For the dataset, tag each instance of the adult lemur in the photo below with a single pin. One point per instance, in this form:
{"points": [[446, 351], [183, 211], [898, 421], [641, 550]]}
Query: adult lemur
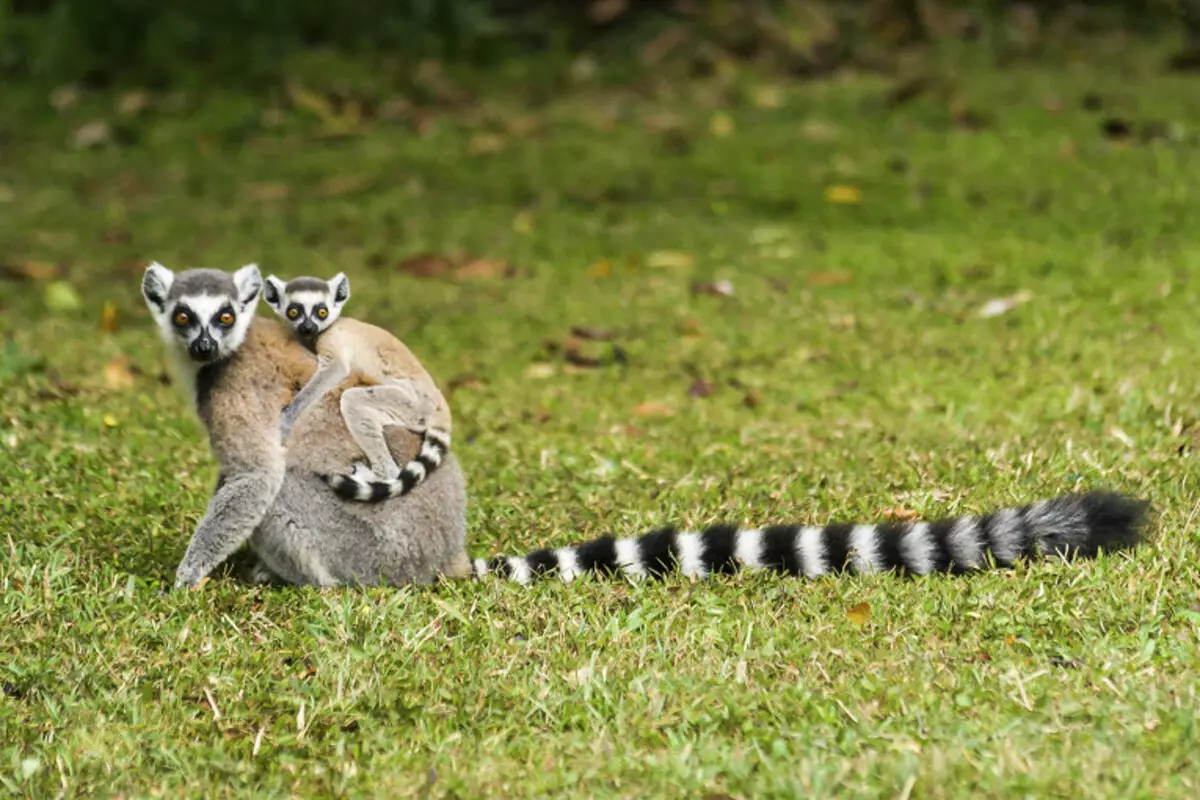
{"points": [[243, 371]]}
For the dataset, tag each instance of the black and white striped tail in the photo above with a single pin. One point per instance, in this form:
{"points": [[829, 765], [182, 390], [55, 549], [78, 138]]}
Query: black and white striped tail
{"points": [[435, 443], [1072, 526]]}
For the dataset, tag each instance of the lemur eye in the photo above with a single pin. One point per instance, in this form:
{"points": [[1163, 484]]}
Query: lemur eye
{"points": [[226, 319], [293, 312], [181, 319], [322, 313]]}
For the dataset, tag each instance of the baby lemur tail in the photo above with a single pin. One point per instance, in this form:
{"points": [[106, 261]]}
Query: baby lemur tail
{"points": [[435, 443], [1071, 526]]}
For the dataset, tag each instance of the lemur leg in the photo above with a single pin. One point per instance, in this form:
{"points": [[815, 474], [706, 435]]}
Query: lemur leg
{"points": [[328, 375], [368, 409]]}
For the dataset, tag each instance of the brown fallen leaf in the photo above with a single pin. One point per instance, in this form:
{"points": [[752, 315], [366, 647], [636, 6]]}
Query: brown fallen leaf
{"points": [[602, 12], [484, 268], [859, 614], [832, 278], [339, 185], [466, 382], [751, 399], [900, 514], [264, 192], [652, 409], [117, 374], [601, 269], [109, 323], [573, 352], [484, 143], [719, 288], [701, 388], [31, 270], [594, 334], [425, 265]]}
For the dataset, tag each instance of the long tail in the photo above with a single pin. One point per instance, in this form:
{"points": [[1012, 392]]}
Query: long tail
{"points": [[1071, 526], [435, 443]]}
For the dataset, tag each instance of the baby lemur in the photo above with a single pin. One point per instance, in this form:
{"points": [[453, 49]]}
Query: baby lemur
{"points": [[243, 371], [406, 395]]}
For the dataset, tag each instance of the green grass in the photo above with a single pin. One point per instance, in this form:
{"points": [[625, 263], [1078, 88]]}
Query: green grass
{"points": [[881, 391]]}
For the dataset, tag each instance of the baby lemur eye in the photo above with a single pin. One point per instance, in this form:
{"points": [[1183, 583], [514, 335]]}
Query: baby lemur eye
{"points": [[322, 312], [293, 312], [226, 319], [181, 319]]}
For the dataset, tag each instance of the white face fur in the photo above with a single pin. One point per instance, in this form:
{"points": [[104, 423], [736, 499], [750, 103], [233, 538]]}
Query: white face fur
{"points": [[308, 305], [202, 314]]}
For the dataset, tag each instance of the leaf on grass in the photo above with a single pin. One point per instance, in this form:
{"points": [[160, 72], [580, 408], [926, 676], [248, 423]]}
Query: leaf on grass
{"points": [[425, 265], [819, 131], [573, 352], [484, 268], [859, 614], [306, 99], [719, 288], [109, 323], [265, 192], [110, 421], [31, 270], [843, 195], [900, 514], [117, 374], [523, 222], [539, 371], [133, 102], [484, 143], [466, 382], [61, 296], [669, 259], [721, 125], [832, 278], [701, 388], [339, 185], [602, 12], [1002, 305], [652, 409], [751, 399], [768, 97], [601, 269], [64, 97], [92, 134]]}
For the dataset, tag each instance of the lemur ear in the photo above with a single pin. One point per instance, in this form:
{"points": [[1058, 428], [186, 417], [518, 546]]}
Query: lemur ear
{"points": [[156, 283], [248, 281], [340, 286], [273, 292]]}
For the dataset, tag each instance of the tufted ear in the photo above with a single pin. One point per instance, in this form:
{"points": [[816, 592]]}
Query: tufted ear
{"points": [[274, 291], [156, 284], [248, 281], [339, 287]]}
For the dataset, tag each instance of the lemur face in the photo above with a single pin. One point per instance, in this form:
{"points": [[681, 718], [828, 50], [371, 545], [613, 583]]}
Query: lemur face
{"points": [[204, 313], [308, 305]]}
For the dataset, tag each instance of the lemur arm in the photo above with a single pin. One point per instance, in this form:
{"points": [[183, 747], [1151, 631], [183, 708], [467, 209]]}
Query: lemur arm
{"points": [[243, 430], [331, 370]]}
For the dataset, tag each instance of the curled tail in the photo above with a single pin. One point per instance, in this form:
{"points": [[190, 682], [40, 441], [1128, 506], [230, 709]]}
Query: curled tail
{"points": [[435, 443], [1071, 526]]}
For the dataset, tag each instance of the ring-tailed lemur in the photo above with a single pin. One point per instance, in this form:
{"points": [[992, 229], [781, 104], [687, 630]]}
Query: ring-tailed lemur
{"points": [[312, 307], [248, 371], [239, 372]]}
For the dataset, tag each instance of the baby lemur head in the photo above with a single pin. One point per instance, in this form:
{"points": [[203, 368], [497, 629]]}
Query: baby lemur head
{"points": [[203, 313], [308, 305]]}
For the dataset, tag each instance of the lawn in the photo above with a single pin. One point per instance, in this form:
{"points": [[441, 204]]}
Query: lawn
{"points": [[792, 276]]}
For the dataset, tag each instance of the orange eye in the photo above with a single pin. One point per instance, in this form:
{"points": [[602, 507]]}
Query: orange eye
{"points": [[293, 312], [322, 313], [182, 319], [226, 319]]}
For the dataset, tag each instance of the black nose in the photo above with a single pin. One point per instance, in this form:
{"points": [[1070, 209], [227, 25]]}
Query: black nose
{"points": [[307, 328], [203, 349]]}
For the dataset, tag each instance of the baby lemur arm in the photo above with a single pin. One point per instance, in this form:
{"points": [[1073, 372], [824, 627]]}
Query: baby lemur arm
{"points": [[331, 370]]}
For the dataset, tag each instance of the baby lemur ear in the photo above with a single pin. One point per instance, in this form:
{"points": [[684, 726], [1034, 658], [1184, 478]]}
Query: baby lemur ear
{"points": [[340, 286], [156, 283], [273, 292], [248, 281]]}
